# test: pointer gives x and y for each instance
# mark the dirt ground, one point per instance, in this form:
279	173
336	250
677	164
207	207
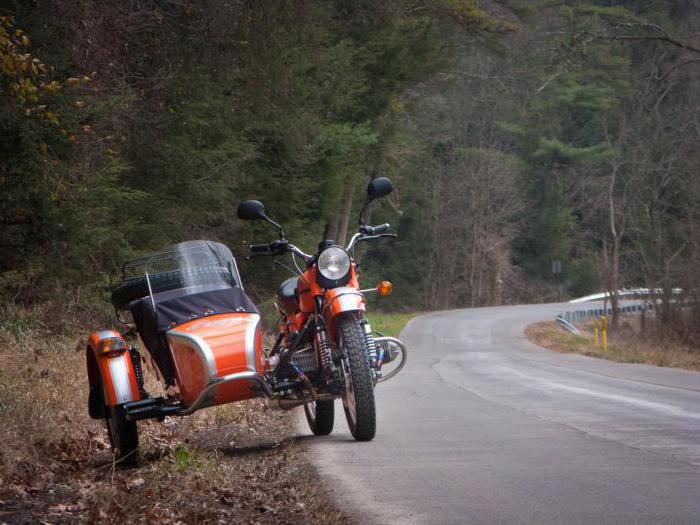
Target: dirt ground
241	463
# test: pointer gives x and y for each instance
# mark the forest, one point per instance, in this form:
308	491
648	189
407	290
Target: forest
540	150
516	133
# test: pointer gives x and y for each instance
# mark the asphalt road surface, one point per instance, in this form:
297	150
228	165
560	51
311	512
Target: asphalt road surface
484	427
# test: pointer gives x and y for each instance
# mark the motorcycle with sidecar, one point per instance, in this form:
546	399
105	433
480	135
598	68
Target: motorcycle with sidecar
203	334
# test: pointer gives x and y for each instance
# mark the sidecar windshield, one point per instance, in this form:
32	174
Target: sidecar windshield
190	265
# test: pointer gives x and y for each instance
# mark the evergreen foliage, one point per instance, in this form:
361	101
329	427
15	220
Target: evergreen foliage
516	133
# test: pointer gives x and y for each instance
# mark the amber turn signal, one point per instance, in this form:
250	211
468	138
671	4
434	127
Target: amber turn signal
385	288
112	346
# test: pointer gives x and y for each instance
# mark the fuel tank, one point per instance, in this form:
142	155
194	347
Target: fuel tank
287	298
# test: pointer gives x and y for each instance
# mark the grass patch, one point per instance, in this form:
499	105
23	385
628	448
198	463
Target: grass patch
389	324
624	347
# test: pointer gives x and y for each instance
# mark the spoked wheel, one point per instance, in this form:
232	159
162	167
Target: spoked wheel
124	436
320	416
358	387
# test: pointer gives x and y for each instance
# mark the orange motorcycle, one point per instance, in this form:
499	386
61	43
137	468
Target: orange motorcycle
203	334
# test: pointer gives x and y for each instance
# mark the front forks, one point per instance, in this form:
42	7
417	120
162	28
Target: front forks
371	351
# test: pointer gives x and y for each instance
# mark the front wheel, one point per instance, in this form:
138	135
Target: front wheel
358	387
124	436
320	416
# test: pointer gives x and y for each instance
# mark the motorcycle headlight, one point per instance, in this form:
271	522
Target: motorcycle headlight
334	265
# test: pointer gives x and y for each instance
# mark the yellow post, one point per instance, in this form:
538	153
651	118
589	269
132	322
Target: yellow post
604	332
595	333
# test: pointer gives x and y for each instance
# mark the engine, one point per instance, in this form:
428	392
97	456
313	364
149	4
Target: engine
306	359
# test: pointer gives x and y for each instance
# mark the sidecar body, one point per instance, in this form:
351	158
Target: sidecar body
198	325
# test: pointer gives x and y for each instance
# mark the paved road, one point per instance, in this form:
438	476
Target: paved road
484	427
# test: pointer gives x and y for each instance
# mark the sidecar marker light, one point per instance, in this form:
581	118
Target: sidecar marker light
112	345
120	380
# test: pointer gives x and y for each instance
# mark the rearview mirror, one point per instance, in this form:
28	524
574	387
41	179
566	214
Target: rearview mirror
251	210
378	188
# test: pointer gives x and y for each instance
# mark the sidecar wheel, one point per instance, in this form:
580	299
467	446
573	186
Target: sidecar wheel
320	416
358	390
124	436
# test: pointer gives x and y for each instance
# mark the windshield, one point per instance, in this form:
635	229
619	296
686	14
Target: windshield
187	265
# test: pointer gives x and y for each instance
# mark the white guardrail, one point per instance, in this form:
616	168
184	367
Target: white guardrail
636	293
568	318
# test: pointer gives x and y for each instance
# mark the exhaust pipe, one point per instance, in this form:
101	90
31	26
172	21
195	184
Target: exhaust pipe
284	404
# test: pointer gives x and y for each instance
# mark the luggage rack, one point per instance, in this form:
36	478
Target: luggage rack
176	252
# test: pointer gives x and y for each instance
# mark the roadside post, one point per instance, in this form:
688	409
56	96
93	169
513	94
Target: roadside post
604	332
556	271
595	333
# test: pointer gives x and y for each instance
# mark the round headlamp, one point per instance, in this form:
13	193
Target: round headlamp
333	266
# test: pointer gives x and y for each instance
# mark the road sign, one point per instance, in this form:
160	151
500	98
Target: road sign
556	267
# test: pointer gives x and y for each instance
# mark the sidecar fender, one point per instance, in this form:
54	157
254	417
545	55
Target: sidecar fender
344	299
110	369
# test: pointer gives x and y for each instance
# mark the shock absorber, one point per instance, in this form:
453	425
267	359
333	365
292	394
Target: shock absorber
323	344
138	371
369	343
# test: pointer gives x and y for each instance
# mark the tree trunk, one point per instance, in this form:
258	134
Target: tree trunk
615	262
345	210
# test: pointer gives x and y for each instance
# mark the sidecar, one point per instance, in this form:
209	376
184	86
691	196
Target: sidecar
201	330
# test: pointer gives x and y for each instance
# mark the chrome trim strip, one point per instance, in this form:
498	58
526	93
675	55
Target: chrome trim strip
201	346
120	379
343	292
107	334
239	282
346	304
204	394
250	331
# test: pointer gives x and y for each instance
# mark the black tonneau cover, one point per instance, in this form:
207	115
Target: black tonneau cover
176	307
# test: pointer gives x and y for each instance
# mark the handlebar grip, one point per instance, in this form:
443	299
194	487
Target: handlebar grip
279	246
259	248
381	228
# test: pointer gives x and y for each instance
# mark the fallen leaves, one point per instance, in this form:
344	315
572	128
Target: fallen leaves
237	463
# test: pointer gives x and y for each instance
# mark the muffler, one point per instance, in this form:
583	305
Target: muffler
284	404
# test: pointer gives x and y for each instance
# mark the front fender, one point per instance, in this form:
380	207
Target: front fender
344	299
111	373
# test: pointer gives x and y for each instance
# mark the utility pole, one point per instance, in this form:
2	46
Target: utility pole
556	271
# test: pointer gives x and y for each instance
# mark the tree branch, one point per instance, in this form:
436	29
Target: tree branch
666	39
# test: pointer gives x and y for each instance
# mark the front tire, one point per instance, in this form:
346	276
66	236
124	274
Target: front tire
358	387
124	436
320	416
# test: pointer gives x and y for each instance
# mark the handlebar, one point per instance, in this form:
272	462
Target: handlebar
281	246
259	248
277	247
375	230
367	233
